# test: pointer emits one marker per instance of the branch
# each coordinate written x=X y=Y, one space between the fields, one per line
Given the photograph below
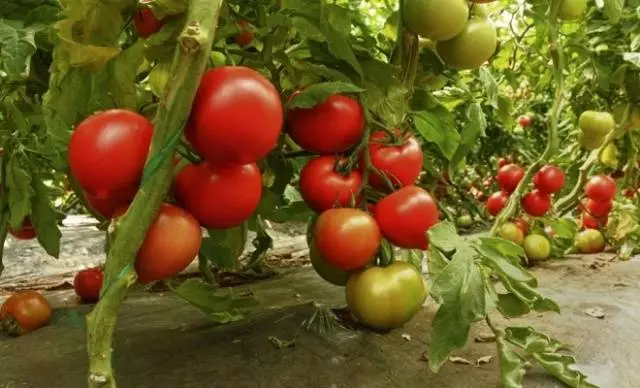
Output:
x=4 y=215
x=129 y=231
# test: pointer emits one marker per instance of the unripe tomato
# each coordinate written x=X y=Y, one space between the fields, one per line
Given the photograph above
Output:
x=245 y=36
x=591 y=222
x=346 y=238
x=331 y=274
x=590 y=241
x=27 y=232
x=597 y=209
x=386 y=298
x=401 y=163
x=522 y=224
x=502 y=162
x=171 y=243
x=322 y=187
x=219 y=197
x=600 y=188
x=237 y=116
x=572 y=9
x=510 y=231
x=436 y=19
x=108 y=151
x=525 y=121
x=536 y=203
x=496 y=202
x=595 y=126
x=406 y=215
x=472 y=47
x=549 y=179
x=464 y=221
x=537 y=247
x=146 y=23
x=87 y=284
x=509 y=177
x=333 y=126
x=24 y=312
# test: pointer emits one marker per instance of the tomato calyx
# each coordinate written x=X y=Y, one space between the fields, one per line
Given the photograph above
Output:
x=11 y=326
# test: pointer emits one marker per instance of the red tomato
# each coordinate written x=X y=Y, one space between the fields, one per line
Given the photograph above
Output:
x=191 y=136
x=496 y=202
x=323 y=188
x=591 y=222
x=525 y=121
x=600 y=188
x=405 y=217
x=334 y=126
x=107 y=207
x=400 y=163
x=27 y=232
x=244 y=37
x=549 y=179
x=347 y=238
x=29 y=311
x=597 y=209
x=536 y=203
x=522 y=225
x=146 y=23
x=630 y=193
x=502 y=162
x=87 y=284
x=509 y=176
x=172 y=242
x=108 y=151
x=237 y=114
x=219 y=197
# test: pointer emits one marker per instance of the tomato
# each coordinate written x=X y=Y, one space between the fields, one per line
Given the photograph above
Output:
x=405 y=217
x=331 y=274
x=591 y=222
x=549 y=179
x=536 y=203
x=386 y=298
x=472 y=47
x=572 y=9
x=595 y=126
x=400 y=163
x=108 y=151
x=590 y=241
x=502 y=162
x=245 y=36
x=509 y=177
x=237 y=116
x=522 y=224
x=26 y=232
x=525 y=121
x=106 y=207
x=322 y=187
x=171 y=243
x=464 y=221
x=219 y=197
x=347 y=238
x=629 y=193
x=609 y=155
x=510 y=231
x=25 y=312
x=600 y=188
x=496 y=202
x=436 y=19
x=537 y=247
x=87 y=284
x=597 y=209
x=333 y=126
x=146 y=23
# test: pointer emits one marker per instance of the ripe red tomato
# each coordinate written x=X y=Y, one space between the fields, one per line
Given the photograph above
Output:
x=405 y=217
x=591 y=222
x=347 y=238
x=502 y=162
x=334 y=126
x=400 y=163
x=549 y=179
x=600 y=188
x=87 y=284
x=172 y=242
x=108 y=151
x=244 y=37
x=107 y=207
x=219 y=197
x=525 y=121
x=522 y=225
x=509 y=176
x=496 y=202
x=237 y=114
x=27 y=232
x=536 y=203
x=25 y=312
x=597 y=209
x=322 y=187
x=146 y=23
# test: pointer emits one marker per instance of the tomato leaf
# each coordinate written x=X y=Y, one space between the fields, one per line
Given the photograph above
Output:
x=340 y=47
x=502 y=263
x=613 y=9
x=17 y=45
x=449 y=331
x=444 y=236
x=19 y=192
x=511 y=307
x=318 y=93
x=296 y=211
x=262 y=243
x=512 y=365
x=45 y=219
x=564 y=227
x=436 y=260
x=500 y=246
x=437 y=131
x=528 y=294
x=490 y=86
x=224 y=247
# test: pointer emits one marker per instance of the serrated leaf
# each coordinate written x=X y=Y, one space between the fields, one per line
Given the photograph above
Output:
x=444 y=236
x=318 y=93
x=19 y=192
x=490 y=86
x=224 y=247
x=501 y=263
x=532 y=341
x=438 y=132
x=563 y=227
x=45 y=219
x=560 y=366
x=437 y=262
x=340 y=48
x=17 y=45
x=503 y=247
x=512 y=366
x=529 y=295
x=449 y=331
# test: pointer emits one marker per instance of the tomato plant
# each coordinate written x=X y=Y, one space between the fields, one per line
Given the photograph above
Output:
x=25 y=312
x=87 y=284
x=322 y=187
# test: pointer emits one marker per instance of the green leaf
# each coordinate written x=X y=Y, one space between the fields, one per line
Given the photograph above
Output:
x=473 y=129
x=532 y=341
x=490 y=86
x=529 y=295
x=437 y=131
x=512 y=366
x=262 y=243
x=17 y=45
x=318 y=93
x=340 y=47
x=564 y=227
x=511 y=307
x=444 y=236
x=449 y=331
x=45 y=219
x=437 y=261
x=224 y=247
x=296 y=211
x=502 y=263
x=503 y=247
x=613 y=9
x=19 y=192
x=562 y=367
x=220 y=306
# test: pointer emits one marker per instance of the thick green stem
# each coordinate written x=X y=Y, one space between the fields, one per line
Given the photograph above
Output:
x=408 y=44
x=189 y=63
x=4 y=211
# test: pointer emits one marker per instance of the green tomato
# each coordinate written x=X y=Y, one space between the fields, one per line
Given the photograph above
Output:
x=464 y=221
x=591 y=142
x=572 y=9
x=326 y=271
x=609 y=156
x=218 y=58
x=595 y=124
x=537 y=247
x=386 y=298
x=158 y=78
x=436 y=19
x=510 y=231
x=472 y=47
x=590 y=241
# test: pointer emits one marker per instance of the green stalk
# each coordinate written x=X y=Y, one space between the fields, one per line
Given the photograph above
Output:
x=408 y=44
x=129 y=231
x=4 y=215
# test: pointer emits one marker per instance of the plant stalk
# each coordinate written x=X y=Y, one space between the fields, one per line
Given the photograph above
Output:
x=129 y=231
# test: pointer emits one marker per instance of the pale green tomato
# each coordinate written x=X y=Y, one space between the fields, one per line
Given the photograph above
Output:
x=472 y=47
x=537 y=247
x=436 y=19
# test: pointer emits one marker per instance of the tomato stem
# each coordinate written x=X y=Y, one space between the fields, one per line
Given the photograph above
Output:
x=4 y=209
x=189 y=63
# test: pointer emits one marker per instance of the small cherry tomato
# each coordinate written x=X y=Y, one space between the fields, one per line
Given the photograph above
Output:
x=536 y=203
x=146 y=23
x=322 y=187
x=597 y=209
x=496 y=202
x=601 y=188
x=549 y=179
x=24 y=312
x=525 y=121
x=87 y=284
x=509 y=177
x=245 y=36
